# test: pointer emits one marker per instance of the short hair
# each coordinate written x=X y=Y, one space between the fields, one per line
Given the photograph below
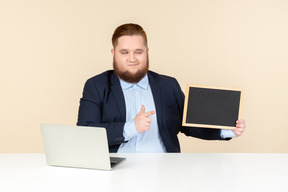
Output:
x=128 y=29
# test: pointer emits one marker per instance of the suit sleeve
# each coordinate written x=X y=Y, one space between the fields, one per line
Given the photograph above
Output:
x=91 y=114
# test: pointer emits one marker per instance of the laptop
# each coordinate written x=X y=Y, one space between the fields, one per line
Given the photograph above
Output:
x=78 y=147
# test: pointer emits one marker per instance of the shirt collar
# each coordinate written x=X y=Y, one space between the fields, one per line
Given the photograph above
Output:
x=143 y=83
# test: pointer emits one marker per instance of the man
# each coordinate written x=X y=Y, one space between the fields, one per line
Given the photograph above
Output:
x=140 y=109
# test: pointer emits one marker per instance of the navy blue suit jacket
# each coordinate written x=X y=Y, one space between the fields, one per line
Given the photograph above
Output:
x=103 y=105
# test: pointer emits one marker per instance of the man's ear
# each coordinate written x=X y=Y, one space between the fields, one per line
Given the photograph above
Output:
x=147 y=49
x=112 y=51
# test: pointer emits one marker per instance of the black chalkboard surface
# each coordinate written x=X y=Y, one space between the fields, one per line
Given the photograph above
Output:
x=211 y=107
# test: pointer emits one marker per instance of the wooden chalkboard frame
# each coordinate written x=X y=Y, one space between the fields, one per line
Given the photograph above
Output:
x=222 y=90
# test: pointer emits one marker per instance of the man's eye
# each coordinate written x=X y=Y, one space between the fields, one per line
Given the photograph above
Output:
x=139 y=52
x=124 y=52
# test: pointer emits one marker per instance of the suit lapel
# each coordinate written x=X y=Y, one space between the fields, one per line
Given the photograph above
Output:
x=118 y=95
x=156 y=92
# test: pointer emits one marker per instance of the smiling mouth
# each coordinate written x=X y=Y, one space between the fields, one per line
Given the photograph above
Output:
x=132 y=65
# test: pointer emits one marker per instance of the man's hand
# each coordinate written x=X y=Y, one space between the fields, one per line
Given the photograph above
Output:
x=240 y=127
x=142 y=120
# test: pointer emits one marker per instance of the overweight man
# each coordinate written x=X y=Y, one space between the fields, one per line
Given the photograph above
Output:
x=141 y=110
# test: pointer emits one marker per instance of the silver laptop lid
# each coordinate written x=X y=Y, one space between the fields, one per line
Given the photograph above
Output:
x=76 y=146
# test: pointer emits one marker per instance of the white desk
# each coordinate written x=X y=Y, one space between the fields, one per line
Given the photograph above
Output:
x=150 y=172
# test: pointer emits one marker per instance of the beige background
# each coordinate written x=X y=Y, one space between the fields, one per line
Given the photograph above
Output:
x=49 y=48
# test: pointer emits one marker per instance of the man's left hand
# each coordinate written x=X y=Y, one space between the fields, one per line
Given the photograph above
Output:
x=240 y=127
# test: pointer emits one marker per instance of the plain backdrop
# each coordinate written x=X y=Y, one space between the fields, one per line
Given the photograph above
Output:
x=49 y=48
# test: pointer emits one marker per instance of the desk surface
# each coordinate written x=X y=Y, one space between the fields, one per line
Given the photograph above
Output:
x=150 y=172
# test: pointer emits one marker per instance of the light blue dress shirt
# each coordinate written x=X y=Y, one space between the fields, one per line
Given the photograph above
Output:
x=135 y=96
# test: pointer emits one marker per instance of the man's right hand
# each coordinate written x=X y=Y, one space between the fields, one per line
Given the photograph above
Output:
x=142 y=120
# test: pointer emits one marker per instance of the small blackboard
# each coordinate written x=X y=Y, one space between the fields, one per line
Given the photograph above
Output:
x=211 y=107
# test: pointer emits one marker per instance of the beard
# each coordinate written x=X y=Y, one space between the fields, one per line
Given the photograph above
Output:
x=131 y=77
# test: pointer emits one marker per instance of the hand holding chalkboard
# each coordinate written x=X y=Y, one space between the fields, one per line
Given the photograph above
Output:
x=211 y=107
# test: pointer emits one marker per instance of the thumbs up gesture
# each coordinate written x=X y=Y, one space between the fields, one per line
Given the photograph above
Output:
x=142 y=120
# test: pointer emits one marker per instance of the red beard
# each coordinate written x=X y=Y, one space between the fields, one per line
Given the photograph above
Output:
x=127 y=76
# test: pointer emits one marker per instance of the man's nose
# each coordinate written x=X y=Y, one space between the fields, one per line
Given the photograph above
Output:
x=132 y=57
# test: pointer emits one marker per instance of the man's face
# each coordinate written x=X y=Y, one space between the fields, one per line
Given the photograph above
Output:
x=130 y=58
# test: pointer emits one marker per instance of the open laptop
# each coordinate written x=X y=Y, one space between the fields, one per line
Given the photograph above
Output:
x=77 y=146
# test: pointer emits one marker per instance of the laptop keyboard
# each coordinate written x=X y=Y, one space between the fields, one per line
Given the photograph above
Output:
x=115 y=160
